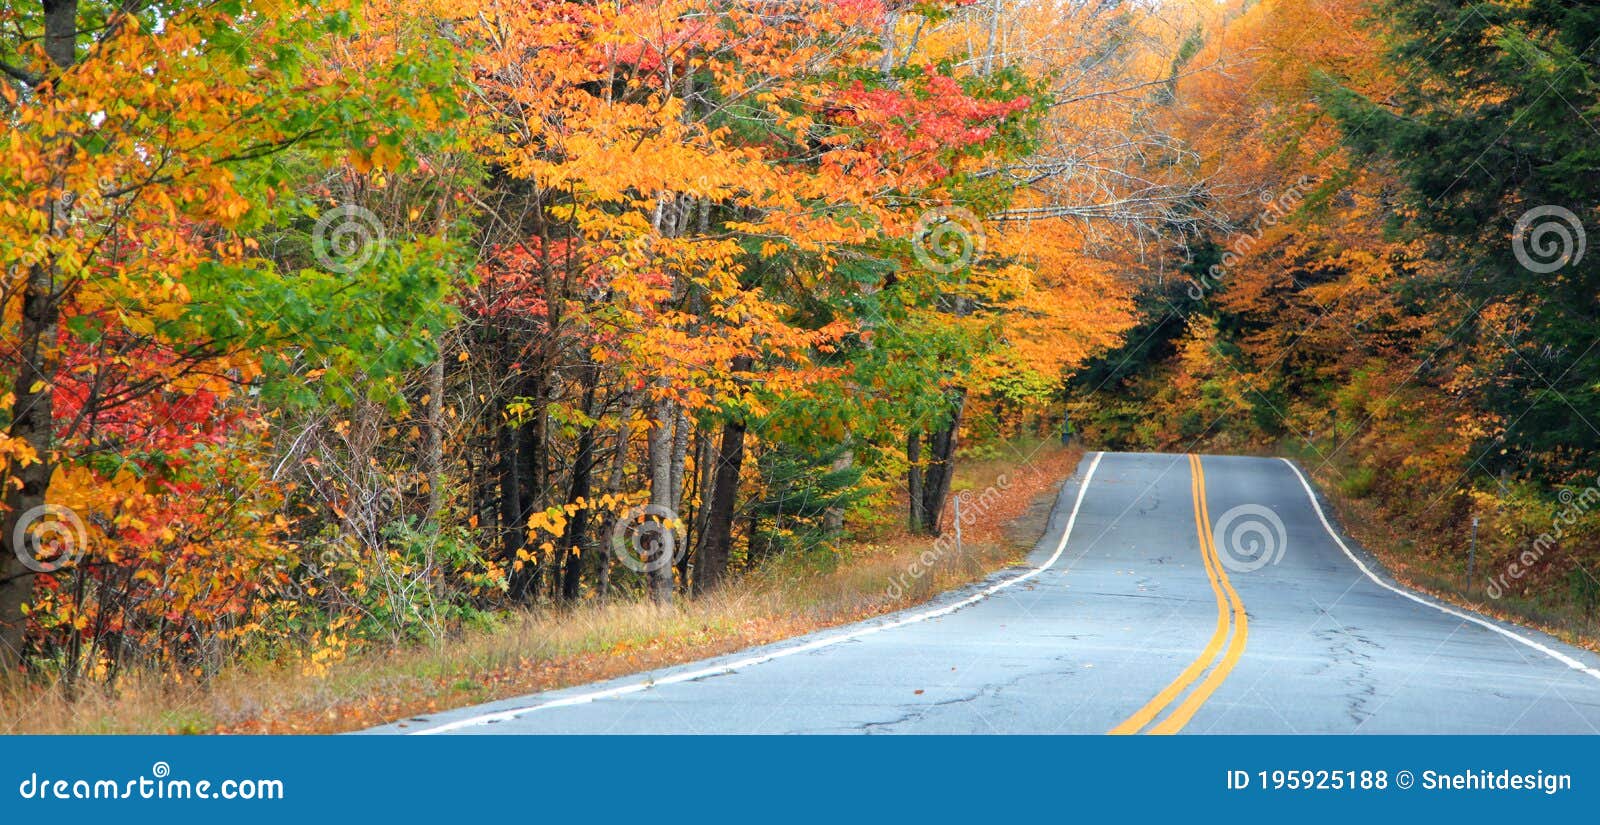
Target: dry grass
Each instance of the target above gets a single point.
(556, 648)
(1366, 521)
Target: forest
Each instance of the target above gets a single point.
(334, 328)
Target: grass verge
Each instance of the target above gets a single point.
(553, 648)
(1364, 518)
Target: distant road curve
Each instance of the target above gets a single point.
(1169, 594)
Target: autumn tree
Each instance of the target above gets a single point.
(1490, 128)
(146, 143)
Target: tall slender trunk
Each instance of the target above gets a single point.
(619, 463)
(365, 512)
(531, 490)
(659, 568)
(711, 566)
(32, 422)
(483, 466)
(833, 517)
(989, 54)
(705, 467)
(914, 479)
(941, 467)
(582, 468)
(716, 548)
(512, 524)
(433, 462)
(680, 453)
(886, 41)
(536, 448)
(36, 362)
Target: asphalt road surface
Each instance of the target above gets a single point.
(1169, 594)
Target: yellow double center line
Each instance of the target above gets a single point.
(1229, 647)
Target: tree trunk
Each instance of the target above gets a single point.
(705, 467)
(721, 498)
(712, 565)
(995, 10)
(33, 423)
(914, 479)
(513, 527)
(434, 460)
(680, 452)
(833, 517)
(659, 568)
(33, 407)
(61, 31)
(941, 468)
(365, 512)
(536, 448)
(619, 463)
(582, 468)
(531, 492)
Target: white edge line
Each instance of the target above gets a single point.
(816, 644)
(1481, 622)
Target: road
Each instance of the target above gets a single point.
(1169, 594)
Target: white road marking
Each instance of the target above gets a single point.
(1554, 654)
(818, 644)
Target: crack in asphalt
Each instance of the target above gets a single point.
(917, 713)
(1349, 647)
